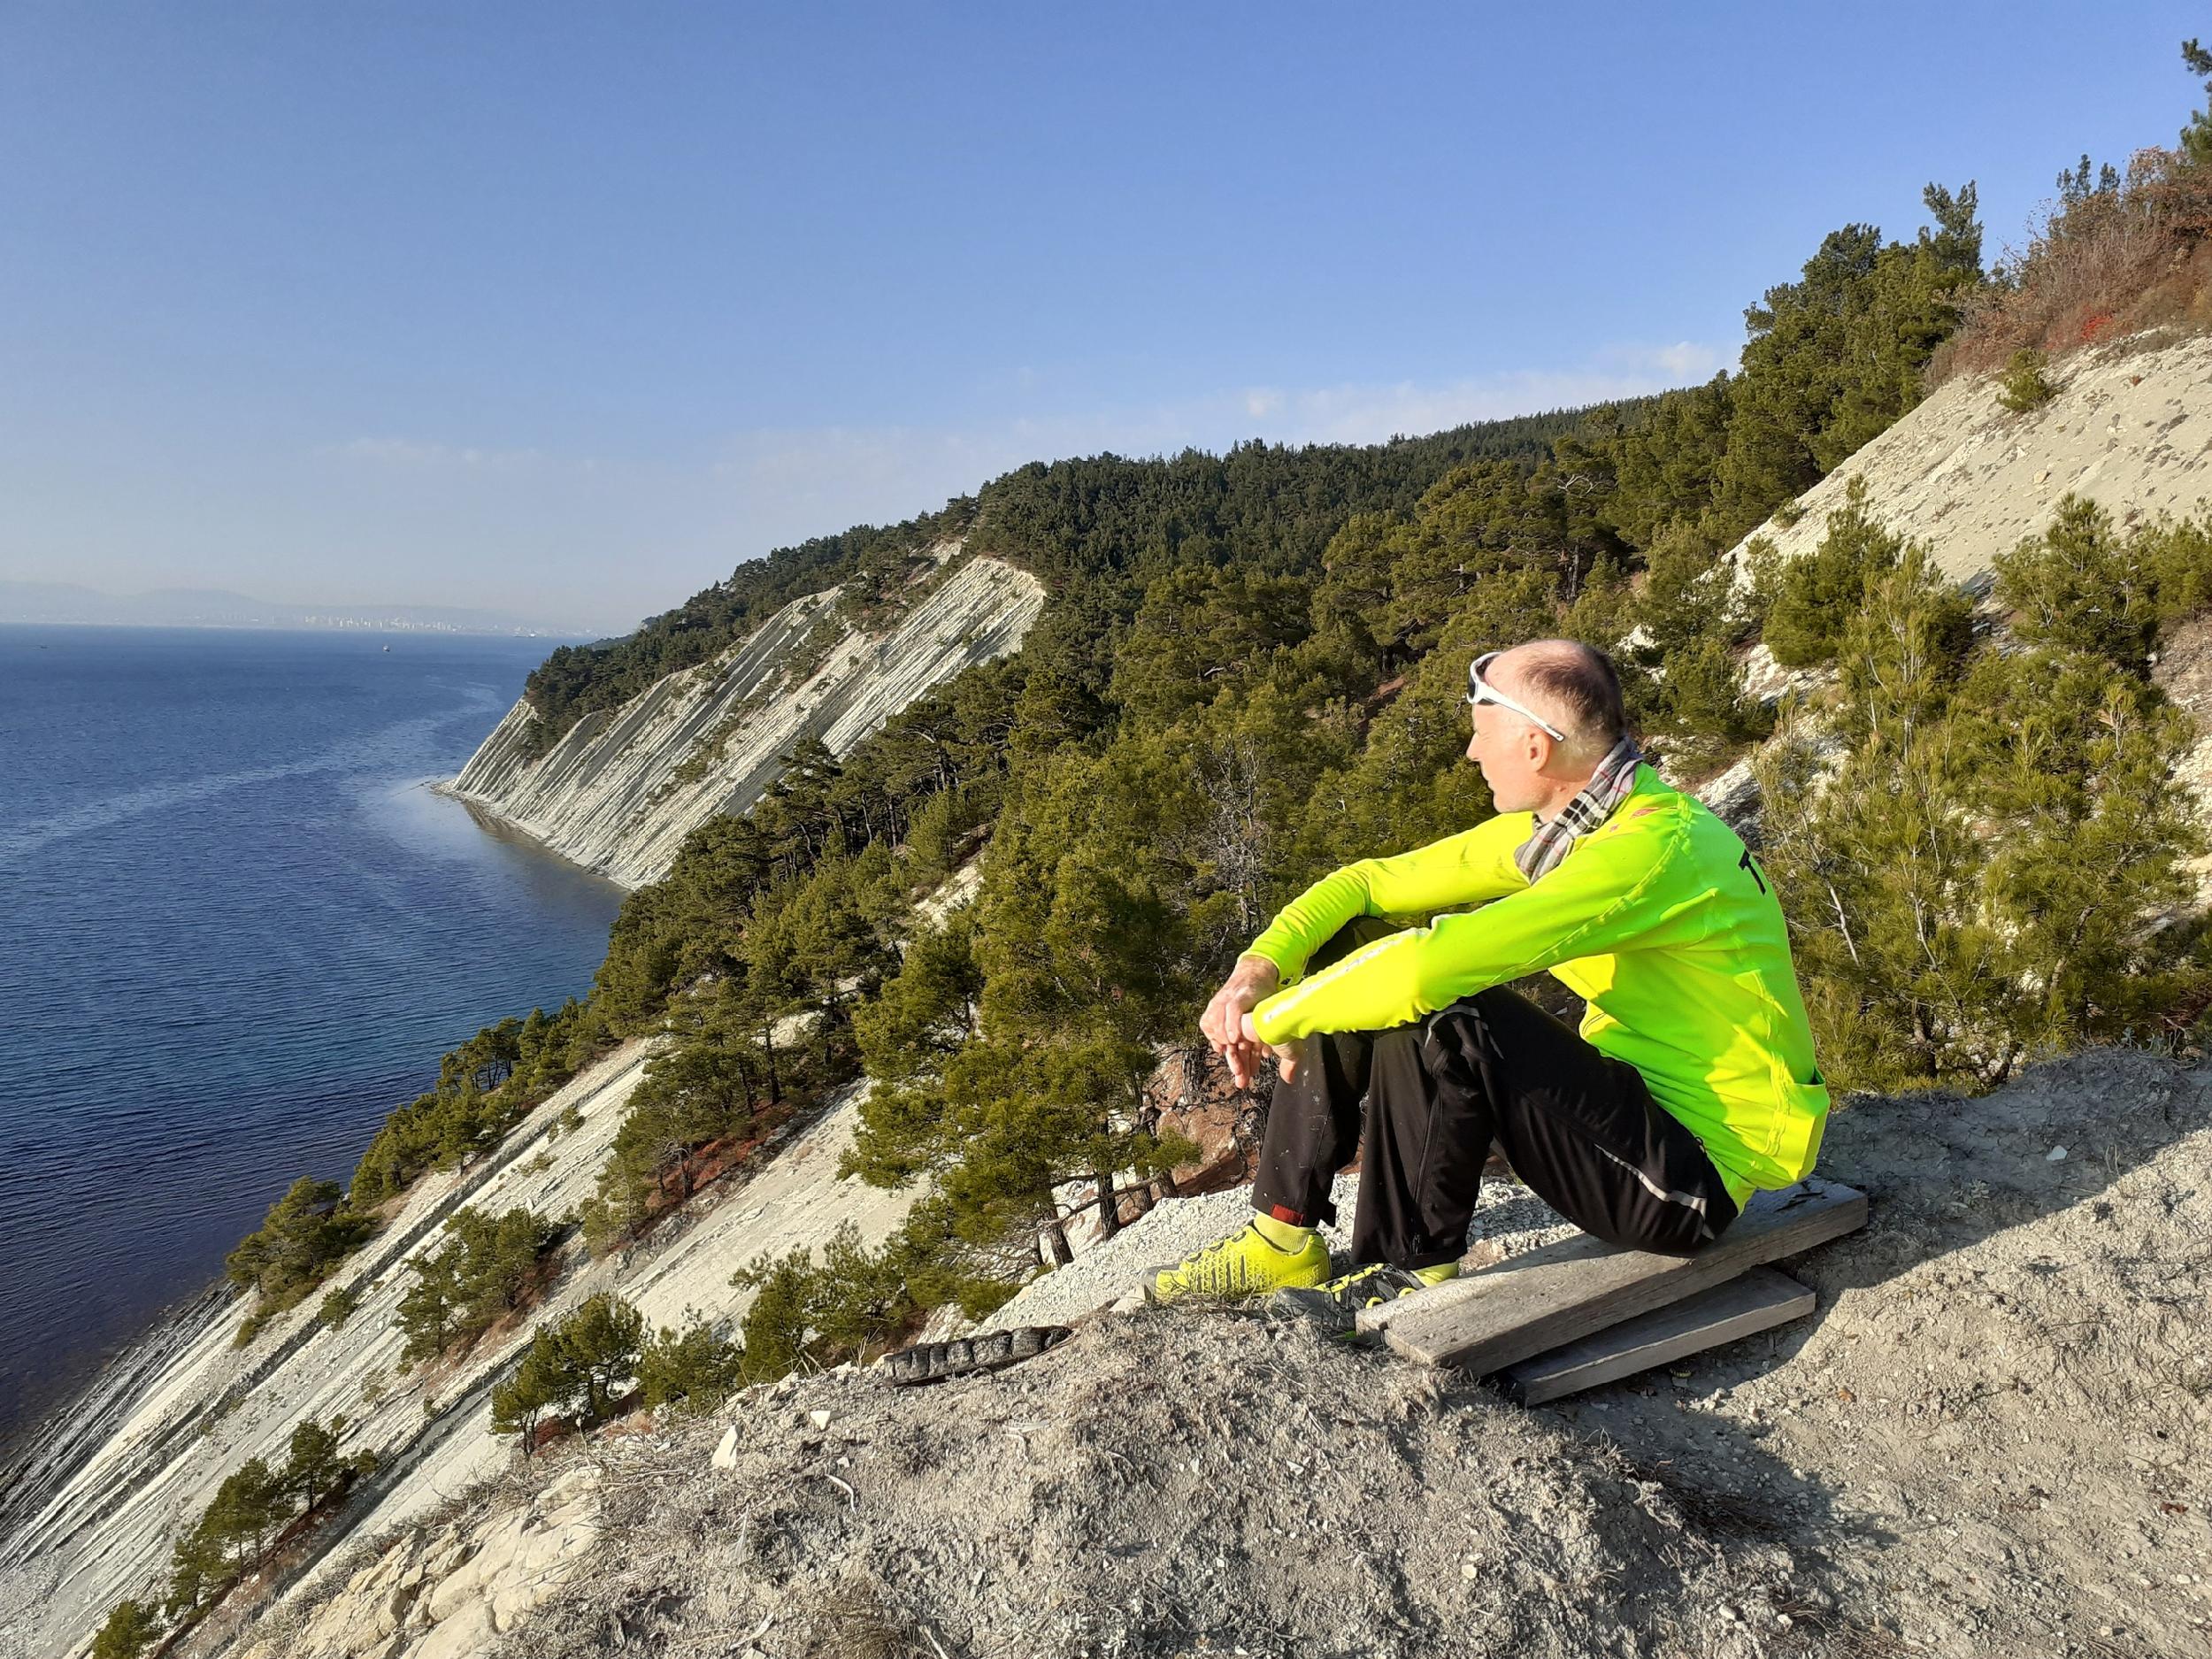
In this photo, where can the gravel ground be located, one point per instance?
(1508, 1219)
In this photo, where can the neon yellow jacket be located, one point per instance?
(1659, 918)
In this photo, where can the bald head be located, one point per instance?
(1571, 685)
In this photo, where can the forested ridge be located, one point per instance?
(1251, 670)
(1063, 522)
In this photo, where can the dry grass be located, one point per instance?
(2104, 265)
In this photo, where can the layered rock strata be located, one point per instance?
(623, 787)
(84, 1532)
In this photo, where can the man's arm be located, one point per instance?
(1476, 863)
(1610, 893)
(1458, 870)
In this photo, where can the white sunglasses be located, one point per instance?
(1480, 690)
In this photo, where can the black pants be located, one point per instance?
(1578, 1127)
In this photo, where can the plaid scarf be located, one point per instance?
(1608, 787)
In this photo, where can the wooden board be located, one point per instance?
(1529, 1304)
(1758, 1300)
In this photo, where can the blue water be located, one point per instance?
(236, 930)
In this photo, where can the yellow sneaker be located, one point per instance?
(1245, 1263)
(1369, 1286)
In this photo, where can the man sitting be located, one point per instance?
(1691, 1085)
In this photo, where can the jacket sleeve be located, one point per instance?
(1478, 863)
(1612, 892)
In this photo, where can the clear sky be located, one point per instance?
(567, 309)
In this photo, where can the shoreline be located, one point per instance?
(501, 827)
(53, 1438)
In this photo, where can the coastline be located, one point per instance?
(97, 1377)
(58, 1434)
(500, 827)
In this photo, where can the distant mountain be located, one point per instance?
(215, 608)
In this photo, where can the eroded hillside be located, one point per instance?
(85, 1530)
(622, 787)
(2130, 427)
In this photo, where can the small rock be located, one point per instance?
(2056, 1154)
(726, 1454)
(818, 1418)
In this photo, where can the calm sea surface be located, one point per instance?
(236, 930)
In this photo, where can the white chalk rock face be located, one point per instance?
(623, 787)
(78, 1536)
(2129, 429)
(450, 1593)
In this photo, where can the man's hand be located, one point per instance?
(1227, 1021)
(1288, 1055)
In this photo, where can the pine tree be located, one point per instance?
(1994, 865)
(600, 1344)
(1814, 597)
(2082, 586)
(313, 1466)
(429, 1311)
(130, 1630)
(695, 1367)
(2196, 138)
(542, 1381)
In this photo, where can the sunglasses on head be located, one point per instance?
(1480, 690)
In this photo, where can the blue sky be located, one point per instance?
(568, 308)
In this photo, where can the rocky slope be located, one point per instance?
(82, 1532)
(622, 787)
(2131, 429)
(1992, 1438)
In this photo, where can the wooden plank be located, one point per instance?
(1528, 1304)
(1758, 1300)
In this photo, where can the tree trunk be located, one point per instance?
(1053, 1240)
(1108, 1204)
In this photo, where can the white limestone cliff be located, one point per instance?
(2131, 429)
(83, 1531)
(623, 787)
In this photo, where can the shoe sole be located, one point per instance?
(941, 1362)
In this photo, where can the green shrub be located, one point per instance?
(483, 1271)
(2025, 386)
(694, 1367)
(580, 1367)
(129, 1631)
(1977, 878)
(338, 1306)
(2082, 586)
(1813, 597)
(306, 1232)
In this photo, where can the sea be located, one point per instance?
(236, 928)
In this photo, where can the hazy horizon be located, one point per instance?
(42, 603)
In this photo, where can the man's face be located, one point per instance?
(1511, 754)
